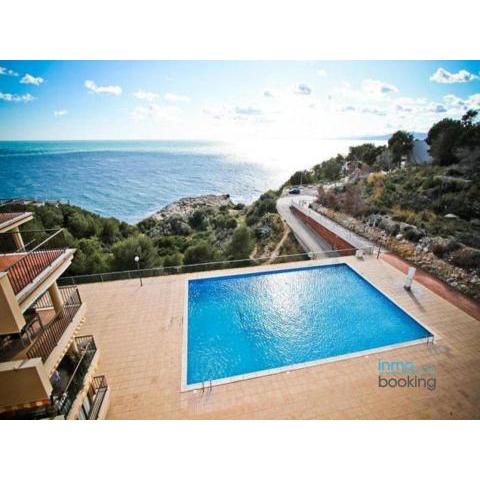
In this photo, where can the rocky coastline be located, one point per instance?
(185, 206)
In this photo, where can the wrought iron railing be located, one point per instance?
(31, 264)
(87, 349)
(200, 267)
(49, 337)
(98, 389)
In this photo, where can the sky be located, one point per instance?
(230, 100)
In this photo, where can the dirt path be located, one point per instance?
(275, 253)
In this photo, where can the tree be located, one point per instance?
(365, 153)
(51, 217)
(198, 219)
(83, 226)
(110, 230)
(241, 244)
(330, 170)
(125, 251)
(202, 252)
(443, 138)
(448, 135)
(89, 257)
(301, 177)
(172, 260)
(400, 143)
(471, 134)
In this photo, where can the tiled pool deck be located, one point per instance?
(139, 332)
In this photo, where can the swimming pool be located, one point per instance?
(244, 325)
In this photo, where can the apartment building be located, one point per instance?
(47, 371)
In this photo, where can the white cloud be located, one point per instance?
(155, 112)
(444, 76)
(60, 113)
(216, 113)
(457, 104)
(377, 88)
(31, 80)
(8, 72)
(12, 97)
(408, 104)
(436, 108)
(110, 89)
(453, 100)
(173, 98)
(322, 73)
(245, 114)
(248, 111)
(473, 101)
(373, 111)
(302, 89)
(147, 96)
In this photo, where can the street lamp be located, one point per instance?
(137, 259)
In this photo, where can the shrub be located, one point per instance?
(241, 244)
(124, 252)
(198, 220)
(172, 260)
(202, 252)
(466, 257)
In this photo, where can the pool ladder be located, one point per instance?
(207, 387)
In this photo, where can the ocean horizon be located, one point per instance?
(131, 179)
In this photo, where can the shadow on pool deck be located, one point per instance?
(436, 285)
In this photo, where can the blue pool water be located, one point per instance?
(242, 324)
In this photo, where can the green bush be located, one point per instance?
(202, 252)
(241, 244)
(198, 220)
(172, 260)
(124, 252)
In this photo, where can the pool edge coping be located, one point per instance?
(184, 387)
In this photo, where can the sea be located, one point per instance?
(130, 180)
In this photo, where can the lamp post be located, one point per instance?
(137, 260)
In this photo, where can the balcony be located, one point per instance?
(69, 378)
(98, 393)
(67, 388)
(29, 257)
(45, 329)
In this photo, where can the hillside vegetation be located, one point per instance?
(429, 213)
(200, 234)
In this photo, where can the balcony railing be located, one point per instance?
(29, 263)
(49, 337)
(98, 392)
(87, 349)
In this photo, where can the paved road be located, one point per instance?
(309, 240)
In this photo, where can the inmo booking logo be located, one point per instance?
(401, 374)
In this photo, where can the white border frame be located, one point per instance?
(296, 366)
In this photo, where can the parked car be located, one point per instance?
(294, 191)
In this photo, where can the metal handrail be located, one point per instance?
(23, 233)
(48, 339)
(99, 387)
(41, 244)
(156, 271)
(76, 381)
